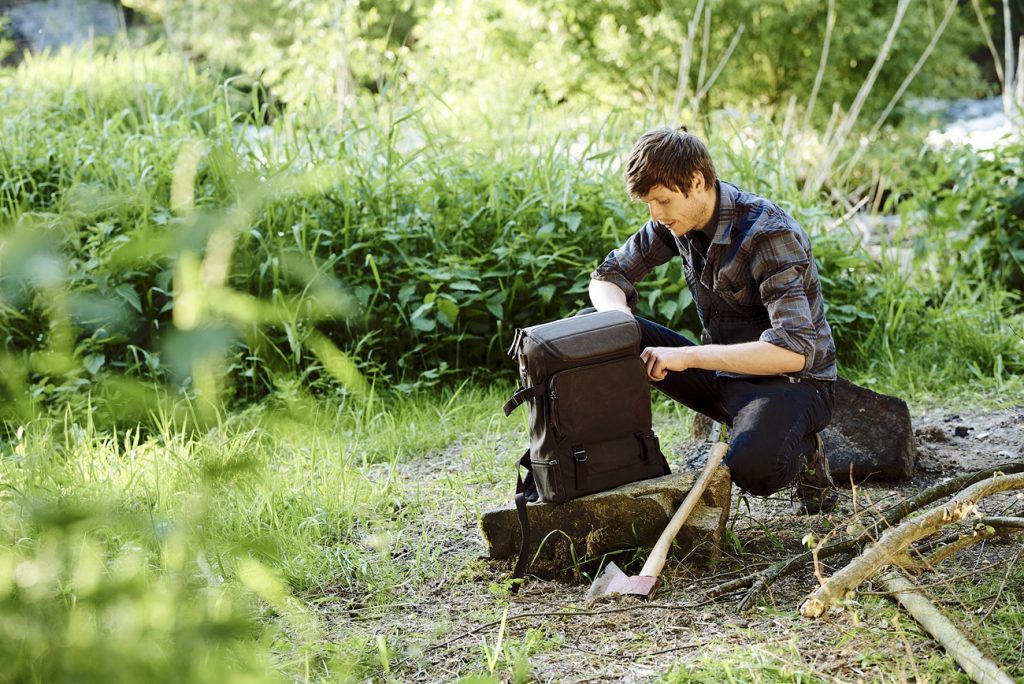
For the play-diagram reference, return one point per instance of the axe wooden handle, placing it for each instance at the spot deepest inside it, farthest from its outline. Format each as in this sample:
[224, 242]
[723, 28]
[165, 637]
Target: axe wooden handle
[656, 561]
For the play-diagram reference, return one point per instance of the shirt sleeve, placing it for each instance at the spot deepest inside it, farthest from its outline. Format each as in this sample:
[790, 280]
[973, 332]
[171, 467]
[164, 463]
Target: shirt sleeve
[648, 248]
[779, 264]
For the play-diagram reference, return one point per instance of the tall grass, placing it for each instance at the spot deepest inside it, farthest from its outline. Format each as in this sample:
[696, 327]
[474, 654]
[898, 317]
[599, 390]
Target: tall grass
[186, 244]
[176, 557]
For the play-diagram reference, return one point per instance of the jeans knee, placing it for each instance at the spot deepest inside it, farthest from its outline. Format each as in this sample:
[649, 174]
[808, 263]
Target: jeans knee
[759, 470]
[755, 484]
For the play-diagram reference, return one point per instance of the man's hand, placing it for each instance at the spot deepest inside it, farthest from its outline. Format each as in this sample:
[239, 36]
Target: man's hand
[660, 360]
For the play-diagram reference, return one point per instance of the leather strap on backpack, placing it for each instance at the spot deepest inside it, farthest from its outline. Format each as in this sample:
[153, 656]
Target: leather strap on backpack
[521, 396]
[649, 443]
[579, 459]
[524, 525]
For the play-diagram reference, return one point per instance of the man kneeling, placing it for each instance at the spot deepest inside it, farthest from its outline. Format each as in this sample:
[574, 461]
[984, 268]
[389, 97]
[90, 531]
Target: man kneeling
[766, 365]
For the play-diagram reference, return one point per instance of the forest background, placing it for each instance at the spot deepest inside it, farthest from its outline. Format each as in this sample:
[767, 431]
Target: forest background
[255, 256]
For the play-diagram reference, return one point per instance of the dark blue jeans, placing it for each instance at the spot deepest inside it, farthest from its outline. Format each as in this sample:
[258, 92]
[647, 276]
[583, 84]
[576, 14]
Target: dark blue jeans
[772, 421]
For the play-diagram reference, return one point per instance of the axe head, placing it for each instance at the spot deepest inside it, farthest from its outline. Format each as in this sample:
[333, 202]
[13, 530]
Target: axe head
[613, 581]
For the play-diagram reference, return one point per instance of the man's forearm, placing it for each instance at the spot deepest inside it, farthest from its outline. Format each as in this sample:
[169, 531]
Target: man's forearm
[606, 296]
[747, 358]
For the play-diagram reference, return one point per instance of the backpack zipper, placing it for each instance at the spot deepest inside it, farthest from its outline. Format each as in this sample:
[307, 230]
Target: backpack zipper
[553, 397]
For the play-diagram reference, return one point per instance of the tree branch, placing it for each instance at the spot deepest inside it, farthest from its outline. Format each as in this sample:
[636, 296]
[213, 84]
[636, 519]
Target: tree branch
[758, 581]
[891, 548]
[976, 664]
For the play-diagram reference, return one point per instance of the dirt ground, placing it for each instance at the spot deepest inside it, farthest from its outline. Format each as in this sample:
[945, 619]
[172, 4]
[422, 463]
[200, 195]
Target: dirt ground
[448, 628]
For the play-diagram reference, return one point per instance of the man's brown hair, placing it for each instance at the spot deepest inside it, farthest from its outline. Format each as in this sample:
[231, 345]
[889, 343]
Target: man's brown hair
[668, 157]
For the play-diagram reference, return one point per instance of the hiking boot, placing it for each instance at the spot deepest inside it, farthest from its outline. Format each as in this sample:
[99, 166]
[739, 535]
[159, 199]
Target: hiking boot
[815, 491]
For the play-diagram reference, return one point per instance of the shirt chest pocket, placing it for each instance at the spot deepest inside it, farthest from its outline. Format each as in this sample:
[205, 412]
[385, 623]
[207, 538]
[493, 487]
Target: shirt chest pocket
[743, 299]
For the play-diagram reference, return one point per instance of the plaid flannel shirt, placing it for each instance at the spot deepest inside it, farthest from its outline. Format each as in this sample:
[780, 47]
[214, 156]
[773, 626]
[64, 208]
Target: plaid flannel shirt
[759, 281]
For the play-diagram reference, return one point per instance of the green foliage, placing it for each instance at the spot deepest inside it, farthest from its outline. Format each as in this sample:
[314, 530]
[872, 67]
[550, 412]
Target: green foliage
[308, 51]
[103, 249]
[94, 591]
[198, 557]
[975, 207]
[7, 45]
[611, 52]
[602, 53]
[170, 245]
[160, 236]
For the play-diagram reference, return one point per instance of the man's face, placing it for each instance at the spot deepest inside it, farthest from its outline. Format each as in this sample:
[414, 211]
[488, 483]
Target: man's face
[678, 212]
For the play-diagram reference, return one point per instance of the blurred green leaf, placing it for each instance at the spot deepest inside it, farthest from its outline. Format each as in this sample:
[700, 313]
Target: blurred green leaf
[93, 363]
[183, 349]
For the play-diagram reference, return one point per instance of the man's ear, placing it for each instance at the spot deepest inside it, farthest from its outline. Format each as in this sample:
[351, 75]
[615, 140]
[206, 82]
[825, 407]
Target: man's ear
[697, 182]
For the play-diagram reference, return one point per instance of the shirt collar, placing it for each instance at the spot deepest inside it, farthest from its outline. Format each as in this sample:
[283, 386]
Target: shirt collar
[727, 194]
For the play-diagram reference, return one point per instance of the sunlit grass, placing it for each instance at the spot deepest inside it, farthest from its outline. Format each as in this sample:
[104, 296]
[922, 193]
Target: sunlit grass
[183, 533]
[235, 361]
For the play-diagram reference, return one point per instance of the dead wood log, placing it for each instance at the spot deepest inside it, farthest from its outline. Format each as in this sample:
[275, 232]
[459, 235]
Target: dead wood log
[756, 582]
[892, 546]
[976, 664]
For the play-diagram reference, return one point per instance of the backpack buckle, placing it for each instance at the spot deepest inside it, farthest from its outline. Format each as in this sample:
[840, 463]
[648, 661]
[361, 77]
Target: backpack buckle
[579, 454]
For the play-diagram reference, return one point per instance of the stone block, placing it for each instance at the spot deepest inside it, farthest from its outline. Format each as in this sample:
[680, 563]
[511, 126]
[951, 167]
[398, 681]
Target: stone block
[870, 436]
[575, 536]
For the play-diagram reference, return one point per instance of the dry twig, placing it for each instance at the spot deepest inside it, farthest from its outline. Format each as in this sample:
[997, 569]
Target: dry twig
[1003, 522]
[756, 582]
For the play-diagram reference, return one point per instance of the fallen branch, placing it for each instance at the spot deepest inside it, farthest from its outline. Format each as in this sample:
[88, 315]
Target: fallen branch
[892, 546]
[1002, 522]
[956, 546]
[767, 577]
[976, 664]
[758, 581]
[932, 494]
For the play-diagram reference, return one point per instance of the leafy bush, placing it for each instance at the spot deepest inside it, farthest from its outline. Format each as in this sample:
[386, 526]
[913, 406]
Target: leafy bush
[163, 237]
[975, 208]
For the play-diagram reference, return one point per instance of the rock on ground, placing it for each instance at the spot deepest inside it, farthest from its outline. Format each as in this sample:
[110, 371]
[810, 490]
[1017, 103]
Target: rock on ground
[870, 436]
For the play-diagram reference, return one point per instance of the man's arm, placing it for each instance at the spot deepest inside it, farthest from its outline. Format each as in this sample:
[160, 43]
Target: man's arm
[746, 358]
[606, 296]
[647, 248]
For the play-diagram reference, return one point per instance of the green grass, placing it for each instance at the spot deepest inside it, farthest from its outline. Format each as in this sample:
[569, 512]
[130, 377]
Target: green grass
[231, 548]
[873, 641]
[182, 247]
[245, 374]
[123, 547]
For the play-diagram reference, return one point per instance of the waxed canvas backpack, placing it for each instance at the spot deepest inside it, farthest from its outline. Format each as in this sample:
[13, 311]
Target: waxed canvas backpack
[589, 403]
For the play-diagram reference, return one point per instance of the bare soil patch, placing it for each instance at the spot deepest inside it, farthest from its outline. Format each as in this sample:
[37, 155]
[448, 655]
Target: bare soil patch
[448, 626]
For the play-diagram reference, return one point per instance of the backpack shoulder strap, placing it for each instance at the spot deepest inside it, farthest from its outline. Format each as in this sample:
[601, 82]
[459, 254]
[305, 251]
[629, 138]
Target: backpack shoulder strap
[524, 526]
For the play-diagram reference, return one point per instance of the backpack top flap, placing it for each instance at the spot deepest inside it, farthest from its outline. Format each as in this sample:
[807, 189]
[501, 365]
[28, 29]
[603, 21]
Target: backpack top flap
[579, 340]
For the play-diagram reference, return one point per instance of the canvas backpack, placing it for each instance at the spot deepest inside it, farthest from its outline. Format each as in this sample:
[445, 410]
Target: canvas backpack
[589, 404]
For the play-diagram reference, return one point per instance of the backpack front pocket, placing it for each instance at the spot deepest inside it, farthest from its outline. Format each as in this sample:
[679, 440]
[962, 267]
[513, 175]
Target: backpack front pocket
[600, 401]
